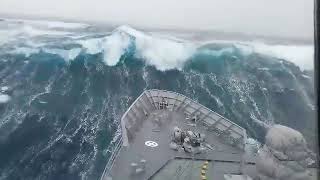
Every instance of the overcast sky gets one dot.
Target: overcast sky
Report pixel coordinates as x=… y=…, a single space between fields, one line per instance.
x=264 y=17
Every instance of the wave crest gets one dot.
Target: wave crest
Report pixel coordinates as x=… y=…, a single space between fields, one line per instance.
x=164 y=54
x=158 y=51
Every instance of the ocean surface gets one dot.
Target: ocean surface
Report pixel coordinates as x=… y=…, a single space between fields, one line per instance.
x=65 y=86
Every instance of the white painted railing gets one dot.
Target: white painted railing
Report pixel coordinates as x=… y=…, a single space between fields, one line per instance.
x=150 y=100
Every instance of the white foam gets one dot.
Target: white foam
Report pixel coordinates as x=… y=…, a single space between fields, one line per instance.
x=160 y=50
x=25 y=51
x=264 y=69
x=301 y=55
x=13 y=31
x=43 y=102
x=115 y=46
x=4 y=88
x=49 y=24
x=92 y=46
x=217 y=52
x=4 y=98
x=8 y=35
x=57 y=24
x=67 y=55
x=167 y=54
x=32 y=31
x=162 y=53
x=170 y=36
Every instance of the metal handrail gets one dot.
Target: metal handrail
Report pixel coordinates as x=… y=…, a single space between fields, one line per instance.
x=112 y=158
x=204 y=107
x=199 y=104
x=123 y=123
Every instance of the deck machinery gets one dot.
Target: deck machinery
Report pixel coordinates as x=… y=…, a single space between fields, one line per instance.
x=168 y=136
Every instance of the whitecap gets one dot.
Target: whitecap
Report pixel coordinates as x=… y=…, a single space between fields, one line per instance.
x=4 y=88
x=115 y=46
x=56 y=24
x=164 y=54
x=168 y=53
x=26 y=51
x=4 y=98
x=33 y=31
x=43 y=102
x=92 y=46
x=162 y=51
x=217 y=53
x=264 y=69
x=65 y=54
x=301 y=55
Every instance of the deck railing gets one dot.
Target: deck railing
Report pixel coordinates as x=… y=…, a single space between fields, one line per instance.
x=114 y=154
x=151 y=100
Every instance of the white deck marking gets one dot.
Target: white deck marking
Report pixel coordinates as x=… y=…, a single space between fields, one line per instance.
x=151 y=144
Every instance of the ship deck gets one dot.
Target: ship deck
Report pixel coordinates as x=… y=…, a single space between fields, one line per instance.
x=224 y=158
x=147 y=120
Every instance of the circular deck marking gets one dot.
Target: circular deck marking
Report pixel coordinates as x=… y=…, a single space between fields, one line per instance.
x=151 y=144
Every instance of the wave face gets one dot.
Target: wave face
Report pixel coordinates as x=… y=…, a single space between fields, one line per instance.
x=64 y=87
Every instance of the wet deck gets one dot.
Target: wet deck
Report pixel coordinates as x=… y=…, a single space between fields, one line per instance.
x=145 y=120
x=226 y=157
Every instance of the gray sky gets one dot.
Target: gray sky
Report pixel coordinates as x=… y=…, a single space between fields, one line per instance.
x=264 y=17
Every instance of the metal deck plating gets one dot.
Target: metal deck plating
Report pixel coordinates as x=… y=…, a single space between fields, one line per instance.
x=146 y=134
